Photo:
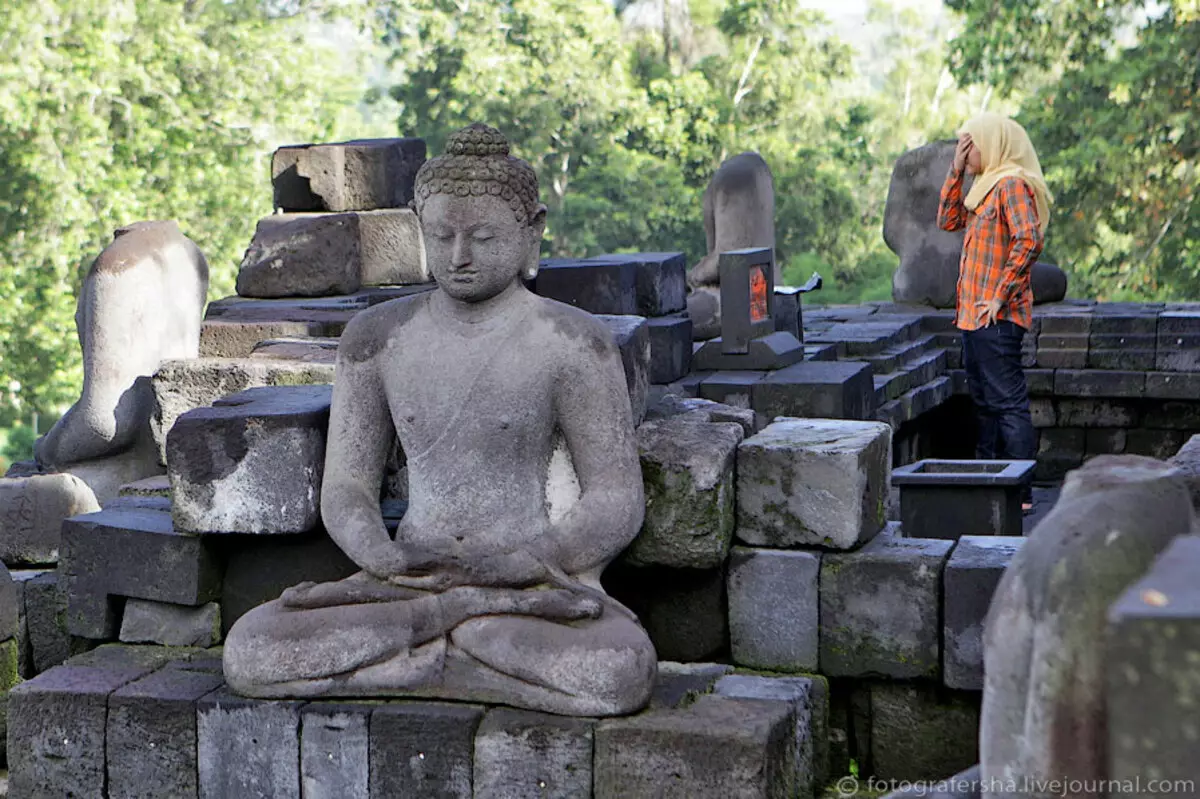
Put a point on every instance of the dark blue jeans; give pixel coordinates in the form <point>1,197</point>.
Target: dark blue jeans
<point>992,357</point>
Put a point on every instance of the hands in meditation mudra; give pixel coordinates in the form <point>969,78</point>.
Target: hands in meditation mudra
<point>481,596</point>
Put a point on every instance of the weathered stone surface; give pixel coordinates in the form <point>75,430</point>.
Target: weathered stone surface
<point>694,409</point>
<point>681,684</point>
<point>251,463</point>
<point>880,609</point>
<point>335,750</point>
<point>1172,385</point>
<point>145,621</point>
<point>1187,461</point>
<point>46,622</point>
<point>813,482</point>
<point>732,388</point>
<point>247,748</point>
<point>1044,639</point>
<point>1178,348</point>
<point>1096,413</point>
<point>716,747</point>
<point>773,604</point>
<point>1153,635</point>
<point>1160,444</point>
<point>423,749</point>
<point>128,552</point>
<point>307,350</point>
<point>817,390</point>
<point>670,347</point>
<point>1098,383</point>
<point>392,247</point>
<point>11,609</point>
<point>222,338</point>
<point>684,611</point>
<point>800,694</point>
<point>661,280</point>
<point>159,486</point>
<point>632,336</point>
<point>598,286</point>
<point>359,175</point>
<point>180,386</point>
<point>522,754</point>
<point>151,735</point>
<point>60,720</point>
<point>1123,341</point>
<point>33,509</point>
<point>687,468</point>
<point>970,579</point>
<point>140,304</point>
<point>922,732</point>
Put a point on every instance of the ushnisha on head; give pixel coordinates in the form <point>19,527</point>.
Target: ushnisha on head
<point>480,215</point>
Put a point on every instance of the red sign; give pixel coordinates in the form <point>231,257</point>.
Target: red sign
<point>758,295</point>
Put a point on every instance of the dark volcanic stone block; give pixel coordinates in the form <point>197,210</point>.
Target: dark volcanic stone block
<point>251,463</point>
<point>57,722</point>
<point>1161,444</point>
<point>1172,385</point>
<point>10,602</point>
<point>880,609</point>
<point>971,577</point>
<point>817,390</point>
<point>423,749</point>
<point>519,753</point>
<point>1173,415</point>
<point>151,745</point>
<point>921,732</point>
<point>1106,441</point>
<point>1126,342</point>
<point>632,337</point>
<point>775,350</point>
<point>46,622</point>
<point>1178,347</point>
<point>598,286</point>
<point>717,747</point>
<point>680,683</point>
<point>1154,634</point>
<point>1097,413</point>
<point>773,608</point>
<point>247,748</point>
<point>1098,383</point>
<point>949,499</point>
<point>1059,451</point>
<point>670,347</point>
<point>130,553</point>
<point>347,176</point>
<point>684,611</point>
<point>335,750</point>
<point>731,388</point>
<point>661,280</point>
<point>789,311</point>
<point>1040,382</point>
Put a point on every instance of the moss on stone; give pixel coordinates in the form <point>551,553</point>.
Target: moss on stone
<point>8,664</point>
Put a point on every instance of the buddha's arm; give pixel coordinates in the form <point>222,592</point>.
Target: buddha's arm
<point>360,434</point>
<point>592,404</point>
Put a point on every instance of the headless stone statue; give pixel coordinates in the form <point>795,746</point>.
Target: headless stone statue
<point>141,303</point>
<point>929,256</point>
<point>1044,689</point>
<point>482,596</point>
<point>739,212</point>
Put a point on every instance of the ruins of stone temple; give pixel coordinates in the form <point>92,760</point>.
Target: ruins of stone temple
<point>393,541</point>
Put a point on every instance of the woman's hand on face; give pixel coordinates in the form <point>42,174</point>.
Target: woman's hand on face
<point>961,151</point>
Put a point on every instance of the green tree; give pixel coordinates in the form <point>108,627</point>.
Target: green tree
<point>112,112</point>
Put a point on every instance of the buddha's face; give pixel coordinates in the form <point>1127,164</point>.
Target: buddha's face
<point>475,246</point>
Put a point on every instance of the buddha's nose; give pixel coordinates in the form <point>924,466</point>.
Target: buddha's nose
<point>461,255</point>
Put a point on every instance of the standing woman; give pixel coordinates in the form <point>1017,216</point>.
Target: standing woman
<point>1005,213</point>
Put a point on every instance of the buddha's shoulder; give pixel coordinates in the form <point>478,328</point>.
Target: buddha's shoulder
<point>368,332</point>
<point>572,328</point>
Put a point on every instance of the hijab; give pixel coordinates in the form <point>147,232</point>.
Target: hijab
<point>1005,151</point>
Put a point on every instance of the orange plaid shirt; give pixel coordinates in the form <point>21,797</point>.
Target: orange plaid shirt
<point>1003,240</point>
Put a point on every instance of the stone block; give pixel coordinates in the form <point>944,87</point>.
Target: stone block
<point>222,338</point>
<point>1040,382</point>
<point>687,468</point>
<point>145,621</point>
<point>951,498</point>
<point>357,175</point>
<point>880,609</point>
<point>970,579</point>
<point>11,609</point>
<point>392,247</point>
<point>1060,449</point>
<point>670,347</point>
<point>813,482</point>
<point>1161,444</point>
<point>661,280</point>
<point>921,732</point>
<point>802,694</point>
<point>599,286</point>
<point>684,611</point>
<point>251,463</point>
<point>1172,415</point>
<point>1098,383</point>
<point>1172,385</point>
<point>1097,413</point>
<point>130,553</point>
<point>679,684</point>
<point>307,255</point>
<point>159,486</point>
<point>423,749</point>
<point>632,336</point>
<point>789,311</point>
<point>46,623</point>
<point>717,747</point>
<point>60,719</point>
<point>180,386</point>
<point>773,604</point>
<point>246,747</point>
<point>33,510</point>
<point>523,754</point>
<point>772,351</point>
<point>259,568</point>
<point>1123,342</point>
<point>731,388</point>
<point>306,350</point>
<point>1044,413</point>
<point>1153,637</point>
<point>335,750</point>
<point>1105,441</point>
<point>1178,347</point>
<point>817,390</point>
<point>151,735</point>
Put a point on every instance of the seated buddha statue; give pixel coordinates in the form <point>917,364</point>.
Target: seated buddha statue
<point>483,594</point>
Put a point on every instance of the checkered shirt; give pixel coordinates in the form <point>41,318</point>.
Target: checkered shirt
<point>1003,240</point>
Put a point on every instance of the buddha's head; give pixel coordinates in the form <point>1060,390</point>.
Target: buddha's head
<point>480,215</point>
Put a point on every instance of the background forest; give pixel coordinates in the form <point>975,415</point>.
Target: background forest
<point>113,111</point>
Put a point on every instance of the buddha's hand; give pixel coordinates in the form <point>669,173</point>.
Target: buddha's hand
<point>388,561</point>
<point>516,569</point>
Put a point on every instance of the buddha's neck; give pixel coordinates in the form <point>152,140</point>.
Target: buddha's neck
<point>473,313</point>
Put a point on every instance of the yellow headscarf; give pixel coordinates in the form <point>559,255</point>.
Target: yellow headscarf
<point>1005,150</point>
